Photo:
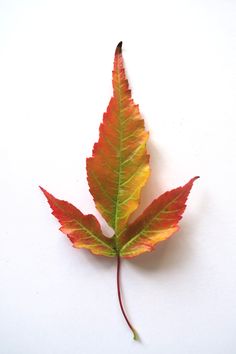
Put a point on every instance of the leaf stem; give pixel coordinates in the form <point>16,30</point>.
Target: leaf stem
<point>135,334</point>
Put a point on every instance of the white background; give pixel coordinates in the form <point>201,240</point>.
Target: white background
<point>55,68</point>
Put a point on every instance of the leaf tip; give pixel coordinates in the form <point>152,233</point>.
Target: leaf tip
<point>47,195</point>
<point>42,189</point>
<point>119,48</point>
<point>195,178</point>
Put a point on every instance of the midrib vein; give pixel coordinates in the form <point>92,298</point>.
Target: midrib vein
<point>120,164</point>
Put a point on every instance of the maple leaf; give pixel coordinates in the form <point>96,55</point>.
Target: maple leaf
<point>117,172</point>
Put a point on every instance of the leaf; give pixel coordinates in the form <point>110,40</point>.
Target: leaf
<point>119,167</point>
<point>157,223</point>
<point>116,173</point>
<point>83,231</point>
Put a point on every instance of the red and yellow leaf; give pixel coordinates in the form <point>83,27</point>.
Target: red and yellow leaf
<point>83,231</point>
<point>119,167</point>
<point>157,223</point>
<point>117,172</point>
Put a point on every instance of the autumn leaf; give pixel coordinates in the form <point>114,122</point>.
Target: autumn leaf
<point>117,172</point>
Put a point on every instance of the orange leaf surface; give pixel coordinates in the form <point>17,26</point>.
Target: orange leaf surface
<point>83,231</point>
<point>119,167</point>
<point>157,223</point>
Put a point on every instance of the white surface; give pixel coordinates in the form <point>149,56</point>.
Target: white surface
<point>55,68</point>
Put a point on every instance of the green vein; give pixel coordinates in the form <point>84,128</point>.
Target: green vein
<point>134,153</point>
<point>132,176</point>
<point>120,166</point>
